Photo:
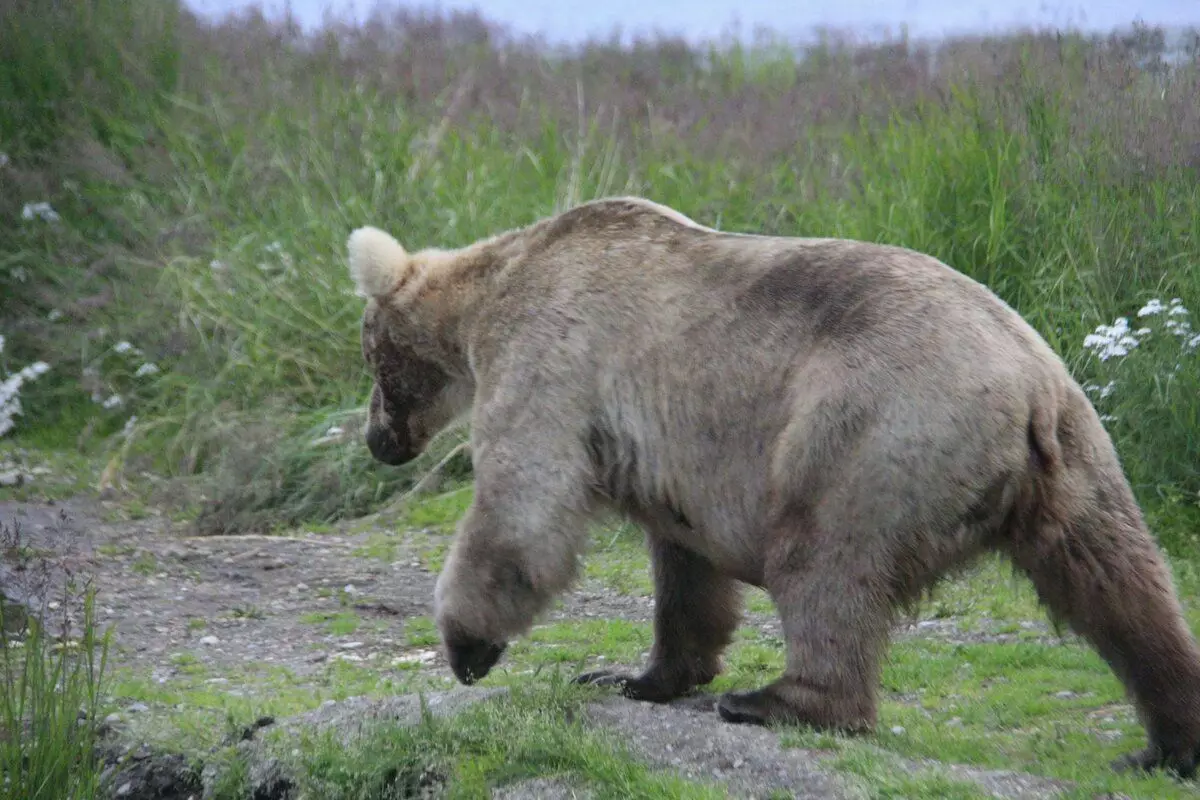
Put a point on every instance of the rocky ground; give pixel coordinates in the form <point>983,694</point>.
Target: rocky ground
<point>182,606</point>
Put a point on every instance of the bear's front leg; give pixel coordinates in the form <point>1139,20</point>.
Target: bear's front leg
<point>516,548</point>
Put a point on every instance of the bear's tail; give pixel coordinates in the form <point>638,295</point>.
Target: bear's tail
<point>377,261</point>
<point>1081,538</point>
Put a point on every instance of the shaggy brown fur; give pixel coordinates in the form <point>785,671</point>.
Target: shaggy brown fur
<point>836,421</point>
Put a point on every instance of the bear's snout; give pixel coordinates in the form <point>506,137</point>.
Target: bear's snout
<point>473,659</point>
<point>387,447</point>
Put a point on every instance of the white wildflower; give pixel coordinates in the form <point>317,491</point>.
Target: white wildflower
<point>1177,327</point>
<point>1,343</point>
<point>54,315</point>
<point>113,401</point>
<point>10,390</point>
<point>149,368</point>
<point>19,274</point>
<point>1103,391</point>
<point>4,160</point>
<point>1174,309</point>
<point>332,435</point>
<point>34,370</point>
<point>41,211</point>
<point>1111,340</point>
<point>1155,306</point>
<point>1193,343</point>
<point>125,347</point>
<point>216,266</point>
<point>128,429</point>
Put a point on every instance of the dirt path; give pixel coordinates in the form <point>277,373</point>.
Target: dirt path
<point>226,602</point>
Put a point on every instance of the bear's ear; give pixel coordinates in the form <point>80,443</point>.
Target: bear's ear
<point>377,261</point>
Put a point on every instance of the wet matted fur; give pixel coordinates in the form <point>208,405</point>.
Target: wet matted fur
<point>838,422</point>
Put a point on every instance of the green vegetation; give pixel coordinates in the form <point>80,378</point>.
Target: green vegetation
<point>192,299</point>
<point>186,286</point>
<point>50,695</point>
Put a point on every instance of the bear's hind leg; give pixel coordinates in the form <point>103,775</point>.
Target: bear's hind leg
<point>836,614</point>
<point>696,610</point>
<point>1098,569</point>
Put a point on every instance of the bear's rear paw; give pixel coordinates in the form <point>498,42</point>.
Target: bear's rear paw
<point>783,703</point>
<point>648,686</point>
<point>1153,758</point>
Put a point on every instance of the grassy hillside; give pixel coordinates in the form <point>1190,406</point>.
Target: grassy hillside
<point>189,292</point>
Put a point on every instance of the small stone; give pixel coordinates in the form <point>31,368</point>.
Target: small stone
<point>112,719</point>
<point>12,478</point>
<point>209,640</point>
<point>898,730</point>
<point>1065,695</point>
<point>138,708</point>
<point>350,589</point>
<point>124,789</point>
<point>350,645</point>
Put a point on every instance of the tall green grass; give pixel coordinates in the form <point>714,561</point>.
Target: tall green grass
<point>1051,170</point>
<point>104,63</point>
<point>50,695</point>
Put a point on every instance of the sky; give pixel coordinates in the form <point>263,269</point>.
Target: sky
<point>712,18</point>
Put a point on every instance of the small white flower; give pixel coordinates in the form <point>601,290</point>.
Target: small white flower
<point>1193,343</point>
<point>1103,391</point>
<point>1178,328</point>
<point>113,401</point>
<point>41,211</point>
<point>128,429</point>
<point>54,315</point>
<point>4,160</point>
<point>10,388</point>
<point>149,368</point>
<point>1111,340</point>
<point>34,370</point>
<point>123,347</point>
<point>1155,306</point>
<point>19,274</point>
<point>216,265</point>
<point>1,343</point>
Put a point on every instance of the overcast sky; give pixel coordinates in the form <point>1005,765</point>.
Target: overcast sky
<point>711,18</point>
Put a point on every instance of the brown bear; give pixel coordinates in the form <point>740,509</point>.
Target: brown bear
<point>838,422</point>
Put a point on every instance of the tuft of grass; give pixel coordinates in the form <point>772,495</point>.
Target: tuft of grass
<point>51,696</point>
<point>337,623</point>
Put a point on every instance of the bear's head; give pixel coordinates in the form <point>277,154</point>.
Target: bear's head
<point>417,391</point>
